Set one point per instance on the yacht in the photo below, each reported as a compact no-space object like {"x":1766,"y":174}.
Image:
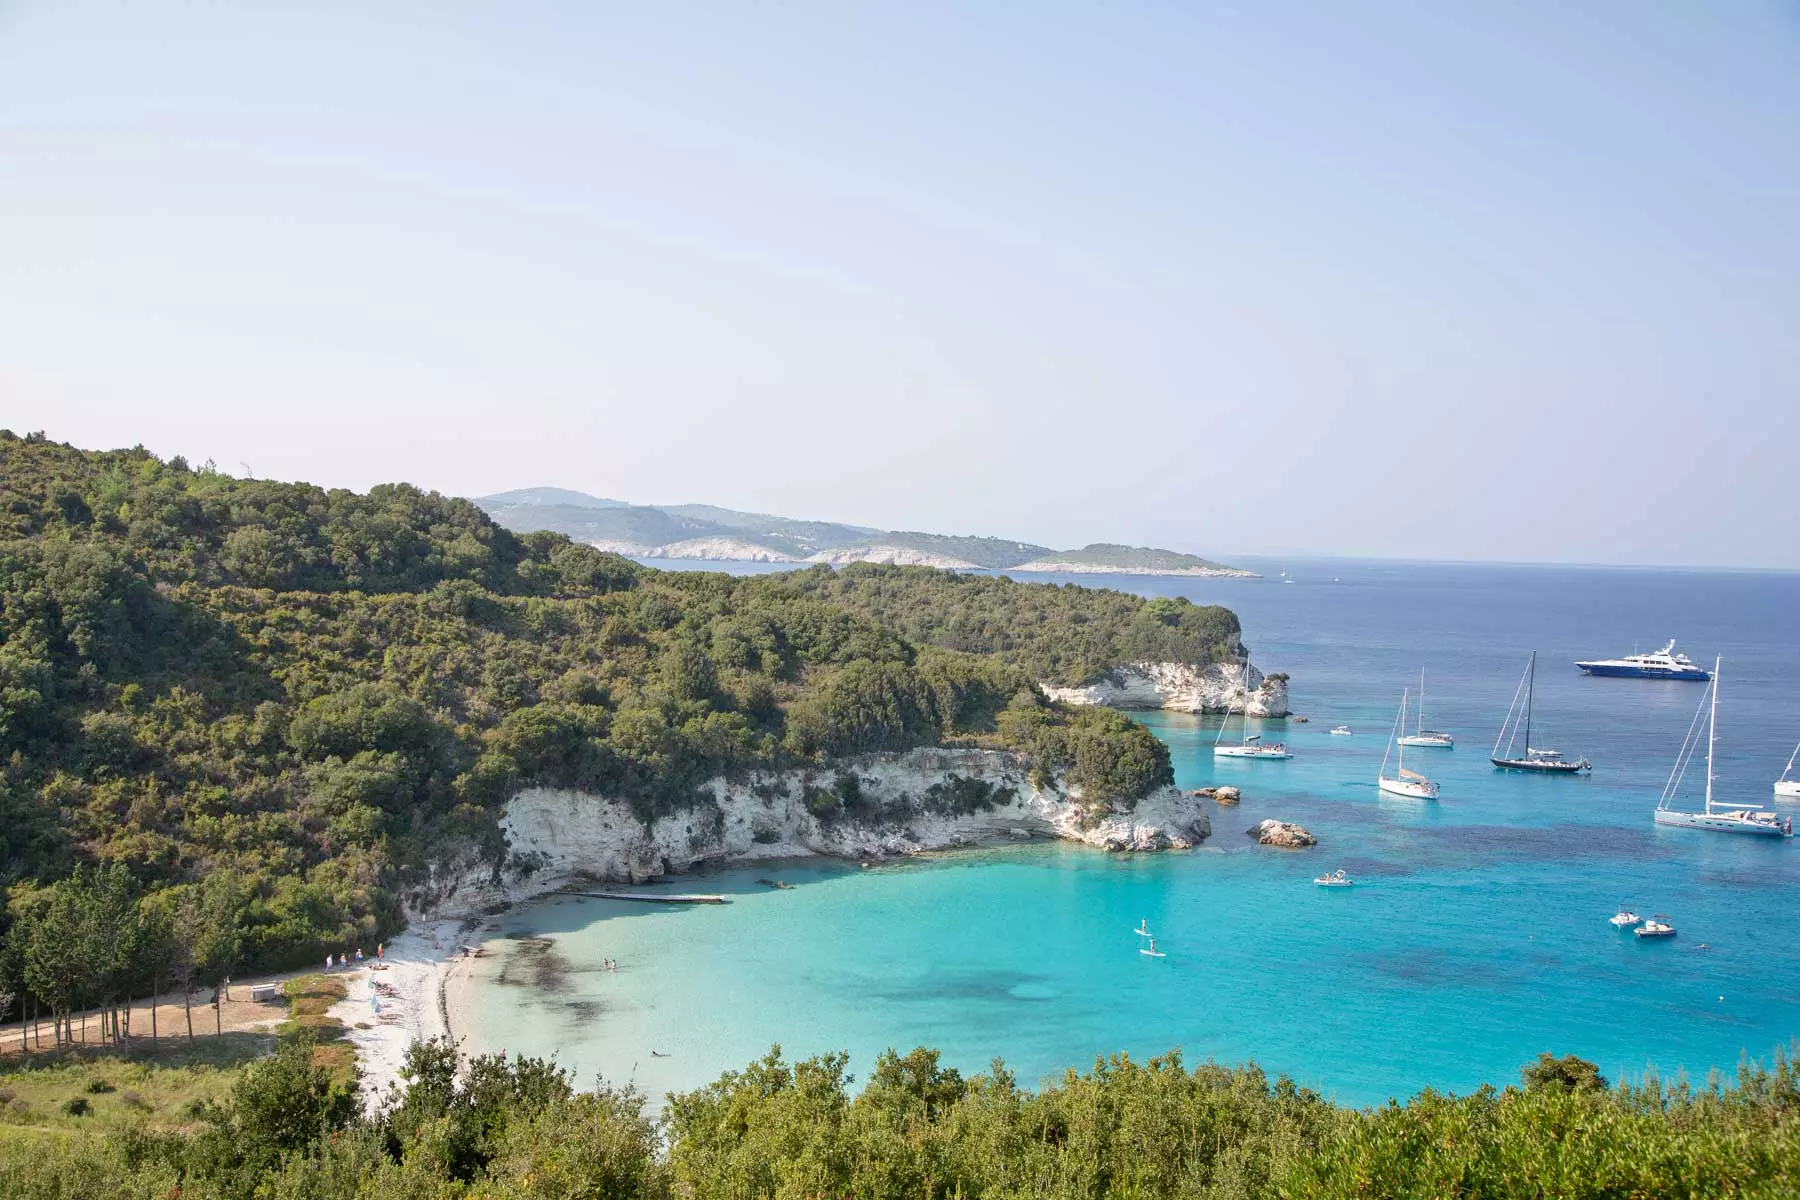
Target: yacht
{"x":1548,"y":762}
{"x":1656,"y":927}
{"x":1664,"y":664}
{"x":1785,"y":788}
{"x":1404,"y":782}
{"x":1252,"y":746}
{"x":1624,"y":918}
{"x":1716,"y":815}
{"x":1422,"y":736}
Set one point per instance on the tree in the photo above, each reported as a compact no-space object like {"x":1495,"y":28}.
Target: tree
{"x":1568,"y":1074}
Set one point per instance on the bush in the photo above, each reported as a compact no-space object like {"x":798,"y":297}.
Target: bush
{"x":98,"y":1087}
{"x":77,"y":1107}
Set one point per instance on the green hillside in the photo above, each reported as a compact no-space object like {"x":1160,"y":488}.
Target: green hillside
{"x":287,"y":701}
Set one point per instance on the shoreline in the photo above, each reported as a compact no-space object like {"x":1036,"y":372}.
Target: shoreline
{"x":414,"y":993}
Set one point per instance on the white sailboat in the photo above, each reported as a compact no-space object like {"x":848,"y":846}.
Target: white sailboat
{"x":1422,"y":736}
{"x":1716,"y":816}
{"x":1405,"y":783}
{"x":1785,"y":788}
{"x":1252,"y":746}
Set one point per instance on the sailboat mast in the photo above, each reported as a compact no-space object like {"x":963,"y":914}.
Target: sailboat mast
{"x":1789,"y":769}
{"x":1421,"y":728}
{"x":1712,"y":725}
{"x":1399,"y":742}
{"x":1530,"y":687}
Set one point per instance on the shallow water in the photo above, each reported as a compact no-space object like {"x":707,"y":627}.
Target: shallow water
{"x":1476,"y":938}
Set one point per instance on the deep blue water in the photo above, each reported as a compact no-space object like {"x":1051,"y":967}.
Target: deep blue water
{"x":1476,"y":939}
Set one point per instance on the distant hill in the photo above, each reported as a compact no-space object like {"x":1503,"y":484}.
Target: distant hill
{"x":704,"y":531}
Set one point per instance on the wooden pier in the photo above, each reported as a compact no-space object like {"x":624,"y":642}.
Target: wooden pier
{"x":647,"y":898}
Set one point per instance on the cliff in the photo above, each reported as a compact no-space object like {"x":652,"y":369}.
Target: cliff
{"x":1218,"y":688}
{"x":898,"y":804}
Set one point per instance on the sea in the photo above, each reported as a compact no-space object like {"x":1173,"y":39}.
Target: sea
{"x":1476,"y":936}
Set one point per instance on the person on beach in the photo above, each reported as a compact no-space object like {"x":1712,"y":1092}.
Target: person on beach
{"x":377,"y":949}
{"x":328,"y":962}
{"x":359,"y":954}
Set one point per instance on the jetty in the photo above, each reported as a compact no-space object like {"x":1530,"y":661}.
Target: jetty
{"x":646,"y":898}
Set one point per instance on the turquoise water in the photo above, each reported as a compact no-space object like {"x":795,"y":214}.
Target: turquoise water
{"x":1477,"y":938}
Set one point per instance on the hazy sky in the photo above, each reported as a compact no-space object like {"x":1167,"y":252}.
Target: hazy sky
{"x":1515,"y":281}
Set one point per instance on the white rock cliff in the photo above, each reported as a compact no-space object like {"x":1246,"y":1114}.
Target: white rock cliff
{"x":556,"y":837}
{"x":1218,"y":688}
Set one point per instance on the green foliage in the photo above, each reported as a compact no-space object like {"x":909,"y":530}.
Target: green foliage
{"x":267,"y":709}
{"x":513,"y":1130}
{"x":1568,"y":1073}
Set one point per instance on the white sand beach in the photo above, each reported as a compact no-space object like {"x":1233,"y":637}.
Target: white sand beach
{"x":404,"y":997}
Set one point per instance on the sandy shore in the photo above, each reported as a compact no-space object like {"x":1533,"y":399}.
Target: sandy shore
{"x":415,"y":992}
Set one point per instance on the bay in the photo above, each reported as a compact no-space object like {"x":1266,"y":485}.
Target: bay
{"x":1476,"y":938}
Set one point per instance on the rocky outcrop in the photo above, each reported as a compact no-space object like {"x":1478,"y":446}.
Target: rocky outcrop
{"x":899,"y":556}
{"x":709,"y":549}
{"x":1285,"y":834}
{"x":865,"y":809}
{"x":1218,"y":688}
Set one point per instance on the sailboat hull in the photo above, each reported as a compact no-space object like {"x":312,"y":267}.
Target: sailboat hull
{"x":1554,"y":766}
{"x":1250,"y":752}
{"x":1441,"y":741}
{"x":1788,"y":789}
{"x":1719,"y":823}
{"x":1409,"y":788}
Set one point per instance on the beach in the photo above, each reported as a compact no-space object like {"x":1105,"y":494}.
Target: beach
{"x":415,"y":992}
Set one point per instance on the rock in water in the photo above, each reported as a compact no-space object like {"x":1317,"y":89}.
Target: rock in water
{"x":1282,"y":833}
{"x":1226,"y":795}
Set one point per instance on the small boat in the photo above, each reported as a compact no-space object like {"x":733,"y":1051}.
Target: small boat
{"x":1664,"y":664}
{"x":1422,"y":736}
{"x":1149,"y":950}
{"x":1624,"y":918}
{"x":1340,"y":731}
{"x":1335,"y":878}
{"x":1404,"y":782}
{"x":1252,"y":746}
{"x":1785,"y":788}
{"x":1545,"y":762}
{"x":1716,"y":815}
{"x":1656,"y":927}
{"x":1143,"y":929}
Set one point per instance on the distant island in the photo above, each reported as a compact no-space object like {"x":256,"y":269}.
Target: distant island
{"x":702,"y":531}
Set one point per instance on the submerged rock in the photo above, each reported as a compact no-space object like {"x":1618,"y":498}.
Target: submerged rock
{"x":1285,"y":834}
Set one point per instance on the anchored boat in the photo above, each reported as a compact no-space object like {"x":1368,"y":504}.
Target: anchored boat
{"x":1404,"y":782}
{"x":1664,"y":664}
{"x":1716,"y":815}
{"x":1547,"y":762}
{"x":1422,"y":736}
{"x":1785,"y":788}
{"x":1252,"y":746}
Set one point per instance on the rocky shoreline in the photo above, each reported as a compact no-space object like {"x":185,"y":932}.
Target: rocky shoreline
{"x":1183,"y":687}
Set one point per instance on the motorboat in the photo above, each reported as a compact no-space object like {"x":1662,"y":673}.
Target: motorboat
{"x":1335,"y":879}
{"x":1719,"y":816}
{"x":1252,"y":746}
{"x":1404,"y":782}
{"x":1344,"y":731}
{"x":1664,"y":664}
{"x":1421,"y":736}
{"x":1624,"y":918}
{"x":1545,"y":762}
{"x":1785,"y":787}
{"x":1656,"y":927}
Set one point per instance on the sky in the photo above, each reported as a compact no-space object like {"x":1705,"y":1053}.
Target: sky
{"x":1516,"y":282}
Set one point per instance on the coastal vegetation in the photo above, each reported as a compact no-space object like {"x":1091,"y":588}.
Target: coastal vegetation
{"x":515,"y":1128}
{"x":238,"y":718}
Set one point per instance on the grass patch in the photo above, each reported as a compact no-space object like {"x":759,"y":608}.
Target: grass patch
{"x":155,"y":1091}
{"x":310,"y":998}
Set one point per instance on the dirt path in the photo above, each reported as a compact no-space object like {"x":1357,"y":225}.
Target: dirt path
{"x":239,"y":1014}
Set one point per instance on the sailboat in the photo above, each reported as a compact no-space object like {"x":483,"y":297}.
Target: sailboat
{"x":1422,"y":736}
{"x":1550,"y":762}
{"x":1785,"y":788}
{"x":1252,"y":746}
{"x":1716,"y":815}
{"x":1405,"y":783}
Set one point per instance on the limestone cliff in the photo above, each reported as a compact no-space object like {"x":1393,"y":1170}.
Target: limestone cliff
{"x":1219,"y":688}
{"x":901,"y":804}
